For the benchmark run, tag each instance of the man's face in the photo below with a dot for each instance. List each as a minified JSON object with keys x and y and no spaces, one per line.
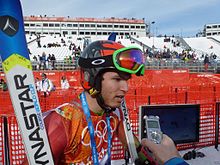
{"x":114,"y":88}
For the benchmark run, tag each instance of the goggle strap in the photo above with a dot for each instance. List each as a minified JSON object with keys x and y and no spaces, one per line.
{"x":104,"y":61}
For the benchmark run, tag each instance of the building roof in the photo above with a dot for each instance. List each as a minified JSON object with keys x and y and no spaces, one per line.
{"x":82,"y":19}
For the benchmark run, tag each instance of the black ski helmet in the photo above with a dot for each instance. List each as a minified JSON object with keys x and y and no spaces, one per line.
{"x":96,"y":58}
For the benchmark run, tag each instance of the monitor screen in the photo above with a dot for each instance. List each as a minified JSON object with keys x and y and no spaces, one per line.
{"x":180,"y":122}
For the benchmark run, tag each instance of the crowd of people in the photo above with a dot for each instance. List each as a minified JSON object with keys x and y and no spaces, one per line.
{"x":48,"y":61}
{"x":44,"y":62}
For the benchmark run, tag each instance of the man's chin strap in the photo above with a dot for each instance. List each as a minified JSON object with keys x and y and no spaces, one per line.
{"x":102,"y":104}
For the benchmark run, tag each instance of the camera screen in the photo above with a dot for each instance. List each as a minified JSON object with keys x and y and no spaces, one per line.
{"x":152,"y":124}
{"x":180,"y":122}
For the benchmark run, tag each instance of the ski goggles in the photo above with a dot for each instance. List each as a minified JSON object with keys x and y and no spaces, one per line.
{"x":130,"y":60}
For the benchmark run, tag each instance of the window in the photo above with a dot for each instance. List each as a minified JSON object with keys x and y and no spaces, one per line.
{"x":45,"y":24}
{"x":51,"y":25}
{"x":65,"y":32}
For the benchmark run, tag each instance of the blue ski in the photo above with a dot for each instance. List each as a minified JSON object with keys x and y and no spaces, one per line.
{"x":20,"y":80}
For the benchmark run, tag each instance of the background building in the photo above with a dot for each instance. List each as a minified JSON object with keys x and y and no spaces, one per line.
{"x":211,"y":29}
{"x":85,"y":26}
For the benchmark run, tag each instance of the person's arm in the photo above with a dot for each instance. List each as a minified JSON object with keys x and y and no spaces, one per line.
{"x":165,"y":152}
{"x":56,"y":136}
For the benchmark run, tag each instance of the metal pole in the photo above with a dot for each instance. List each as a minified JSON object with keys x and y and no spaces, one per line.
{"x":6,"y":141}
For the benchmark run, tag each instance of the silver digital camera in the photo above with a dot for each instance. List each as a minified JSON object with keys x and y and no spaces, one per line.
{"x":153,"y":130}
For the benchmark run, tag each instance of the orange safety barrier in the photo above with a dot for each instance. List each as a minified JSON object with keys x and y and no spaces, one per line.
{"x":17,"y":151}
{"x":156,"y":87}
{"x":207,"y":128}
{"x":5,"y":103}
{"x":1,"y":141}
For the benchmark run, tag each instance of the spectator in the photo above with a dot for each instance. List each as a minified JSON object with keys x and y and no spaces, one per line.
{"x":46,"y":85}
{"x":44,"y":60}
{"x":38,"y":41}
{"x":35,"y":63}
{"x":3,"y":85}
{"x":49,"y":64}
{"x":64,"y":83}
{"x":40,"y":61}
{"x":53,"y":60}
{"x":206,"y":63}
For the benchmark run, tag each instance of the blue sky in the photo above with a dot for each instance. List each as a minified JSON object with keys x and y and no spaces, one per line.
{"x":178,"y":17}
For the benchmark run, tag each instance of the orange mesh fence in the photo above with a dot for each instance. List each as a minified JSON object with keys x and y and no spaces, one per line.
{"x":17,"y":151}
{"x":161,"y":78}
{"x":117,"y":149}
{"x":207,"y":128}
{"x":55,"y":76}
{"x":5,"y":103}
{"x":217,"y":125}
{"x":57,"y":98}
{"x":156,"y":87}
{"x":1,"y":141}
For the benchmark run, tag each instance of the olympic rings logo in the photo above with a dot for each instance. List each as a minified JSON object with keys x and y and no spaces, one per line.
{"x":100,"y":134}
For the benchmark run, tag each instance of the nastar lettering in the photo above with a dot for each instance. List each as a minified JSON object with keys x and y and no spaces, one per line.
{"x":28,"y":104}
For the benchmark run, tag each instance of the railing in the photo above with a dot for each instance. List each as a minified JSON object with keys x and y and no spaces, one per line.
{"x":193,"y":66}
